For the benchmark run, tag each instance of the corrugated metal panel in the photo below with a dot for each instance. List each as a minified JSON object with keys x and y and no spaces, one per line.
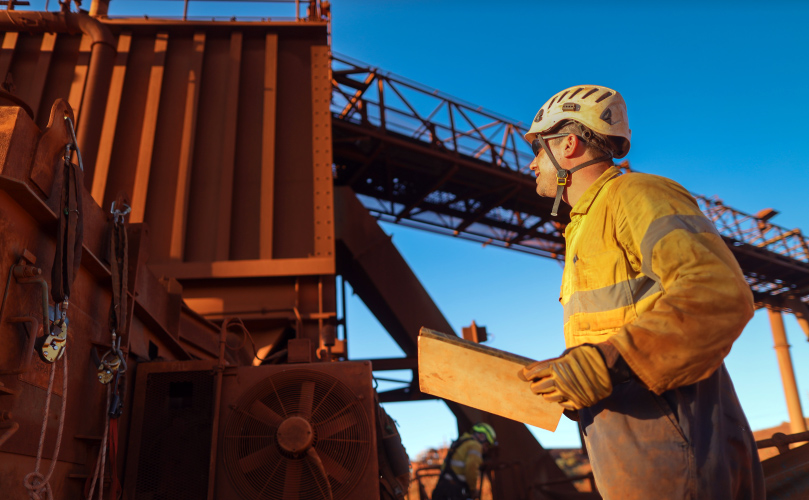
{"x":208,"y":130}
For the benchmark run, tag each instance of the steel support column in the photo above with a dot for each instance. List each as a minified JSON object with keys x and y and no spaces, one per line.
{"x":796,"y":421}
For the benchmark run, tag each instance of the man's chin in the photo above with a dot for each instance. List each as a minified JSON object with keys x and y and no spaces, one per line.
{"x":543,"y":192}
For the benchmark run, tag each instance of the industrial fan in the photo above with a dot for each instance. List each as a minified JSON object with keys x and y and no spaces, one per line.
{"x":286,"y":432}
{"x":298,"y":434}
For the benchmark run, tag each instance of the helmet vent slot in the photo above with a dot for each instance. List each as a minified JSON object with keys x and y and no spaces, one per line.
{"x":603,"y":96}
{"x":576,"y":92}
{"x":551,"y":103}
{"x":538,"y":117}
{"x":562,"y":96}
{"x":588,"y":94}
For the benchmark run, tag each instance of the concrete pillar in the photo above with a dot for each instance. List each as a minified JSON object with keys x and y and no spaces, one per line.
{"x":796,"y":421}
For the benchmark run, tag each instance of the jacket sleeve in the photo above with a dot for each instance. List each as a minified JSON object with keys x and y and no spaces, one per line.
{"x":705,"y":301}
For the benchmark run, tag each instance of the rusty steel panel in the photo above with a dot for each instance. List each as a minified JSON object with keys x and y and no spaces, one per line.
{"x":321,"y":152}
{"x":79,"y":76}
{"x":60,"y":75}
{"x":255,"y":123}
{"x":179,"y":77}
{"x":194,"y":107}
{"x":205,"y":196}
{"x":9,"y":44}
{"x":175,"y":234}
{"x":218,"y":135}
{"x":148,"y":129}
{"x":34,"y":94}
{"x":294,"y":184}
{"x":268,"y":146}
{"x":110,"y":118}
{"x":786,"y":474}
{"x":226,"y":165}
{"x":155,"y":328}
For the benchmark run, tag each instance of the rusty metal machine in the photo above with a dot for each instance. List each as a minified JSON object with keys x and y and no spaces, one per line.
{"x":177,"y":200}
{"x":184,"y":170}
{"x":158,"y":179}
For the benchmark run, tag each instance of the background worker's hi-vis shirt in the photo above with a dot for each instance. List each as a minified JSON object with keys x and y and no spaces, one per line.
{"x":466,"y":461}
{"x":646,"y":270}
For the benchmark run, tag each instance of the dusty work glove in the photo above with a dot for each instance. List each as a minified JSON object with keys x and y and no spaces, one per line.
{"x":576,"y":380}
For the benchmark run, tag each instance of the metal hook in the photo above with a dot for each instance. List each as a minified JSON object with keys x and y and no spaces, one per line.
{"x":75,"y":143}
{"x":118,"y":215}
{"x":116,"y":349}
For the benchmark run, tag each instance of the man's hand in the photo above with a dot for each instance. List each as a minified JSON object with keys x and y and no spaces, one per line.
{"x":576,"y":380}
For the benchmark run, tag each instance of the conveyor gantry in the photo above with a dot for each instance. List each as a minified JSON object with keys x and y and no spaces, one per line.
{"x":418,"y":157}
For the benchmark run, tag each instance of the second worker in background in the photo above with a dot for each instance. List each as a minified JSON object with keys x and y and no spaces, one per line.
{"x":461,"y":468}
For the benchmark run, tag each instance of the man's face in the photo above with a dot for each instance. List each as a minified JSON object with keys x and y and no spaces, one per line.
{"x":545,"y":171}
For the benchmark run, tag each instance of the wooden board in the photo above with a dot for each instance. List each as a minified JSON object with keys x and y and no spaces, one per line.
{"x":481,"y":377}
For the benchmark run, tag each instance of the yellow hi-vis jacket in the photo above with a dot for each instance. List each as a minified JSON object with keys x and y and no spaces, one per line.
{"x":466,"y":460}
{"x":646,"y":270}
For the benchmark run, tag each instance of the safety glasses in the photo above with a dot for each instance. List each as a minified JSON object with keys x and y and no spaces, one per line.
{"x":536,"y":146}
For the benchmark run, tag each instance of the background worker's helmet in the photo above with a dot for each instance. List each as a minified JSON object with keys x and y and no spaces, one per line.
{"x":487,"y":430}
{"x":601,"y":109}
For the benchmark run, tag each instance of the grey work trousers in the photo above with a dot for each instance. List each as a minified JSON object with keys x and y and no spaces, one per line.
{"x":690,"y":443}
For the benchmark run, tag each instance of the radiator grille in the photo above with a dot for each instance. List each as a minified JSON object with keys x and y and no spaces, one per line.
{"x":175,"y":445}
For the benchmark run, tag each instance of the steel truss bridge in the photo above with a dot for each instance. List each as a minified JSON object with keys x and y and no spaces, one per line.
{"x":421,"y":158}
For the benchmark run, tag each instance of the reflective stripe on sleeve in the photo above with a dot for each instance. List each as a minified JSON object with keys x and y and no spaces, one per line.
{"x":458,"y":463}
{"x":661,"y":227}
{"x":610,"y":297}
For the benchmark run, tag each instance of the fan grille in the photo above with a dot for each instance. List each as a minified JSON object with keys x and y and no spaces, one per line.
{"x":260,"y":469}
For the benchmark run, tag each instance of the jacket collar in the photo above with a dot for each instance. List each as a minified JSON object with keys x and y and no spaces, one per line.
{"x":590,"y":194}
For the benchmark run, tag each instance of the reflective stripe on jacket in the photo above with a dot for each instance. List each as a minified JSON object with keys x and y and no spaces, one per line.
{"x":647,"y":270}
{"x":465,"y":462}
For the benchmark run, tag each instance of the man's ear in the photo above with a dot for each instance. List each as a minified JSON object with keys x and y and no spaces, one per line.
{"x":571,"y":145}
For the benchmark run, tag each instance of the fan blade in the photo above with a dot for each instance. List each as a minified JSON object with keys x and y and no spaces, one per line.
{"x":313,"y":457}
{"x":265,"y":414}
{"x":256,"y":459}
{"x":307,"y":398}
{"x":335,"y":470}
{"x":292,"y":482}
{"x":332,"y":427}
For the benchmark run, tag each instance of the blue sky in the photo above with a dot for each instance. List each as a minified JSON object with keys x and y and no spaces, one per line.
{"x":718,"y":100}
{"x":715,"y":95}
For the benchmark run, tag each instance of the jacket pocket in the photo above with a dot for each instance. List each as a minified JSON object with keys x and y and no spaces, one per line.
{"x":602,"y":302}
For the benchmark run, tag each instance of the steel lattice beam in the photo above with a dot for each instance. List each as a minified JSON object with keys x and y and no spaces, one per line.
{"x":421,"y":158}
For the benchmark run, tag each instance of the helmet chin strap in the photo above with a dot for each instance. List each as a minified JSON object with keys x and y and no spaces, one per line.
{"x":563,"y":175}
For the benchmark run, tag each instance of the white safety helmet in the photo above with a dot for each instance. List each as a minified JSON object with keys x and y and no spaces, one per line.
{"x":601,"y":109}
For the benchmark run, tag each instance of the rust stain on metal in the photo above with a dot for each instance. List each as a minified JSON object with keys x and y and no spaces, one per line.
{"x":39,"y":373}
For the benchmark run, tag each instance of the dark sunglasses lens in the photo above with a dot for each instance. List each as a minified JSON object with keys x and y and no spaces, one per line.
{"x":536,"y":147}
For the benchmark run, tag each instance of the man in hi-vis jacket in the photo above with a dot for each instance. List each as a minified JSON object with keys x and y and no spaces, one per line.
{"x":653,"y":300}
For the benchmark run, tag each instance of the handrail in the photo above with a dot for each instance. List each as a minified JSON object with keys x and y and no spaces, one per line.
{"x":386,"y":104}
{"x":366,"y":95}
